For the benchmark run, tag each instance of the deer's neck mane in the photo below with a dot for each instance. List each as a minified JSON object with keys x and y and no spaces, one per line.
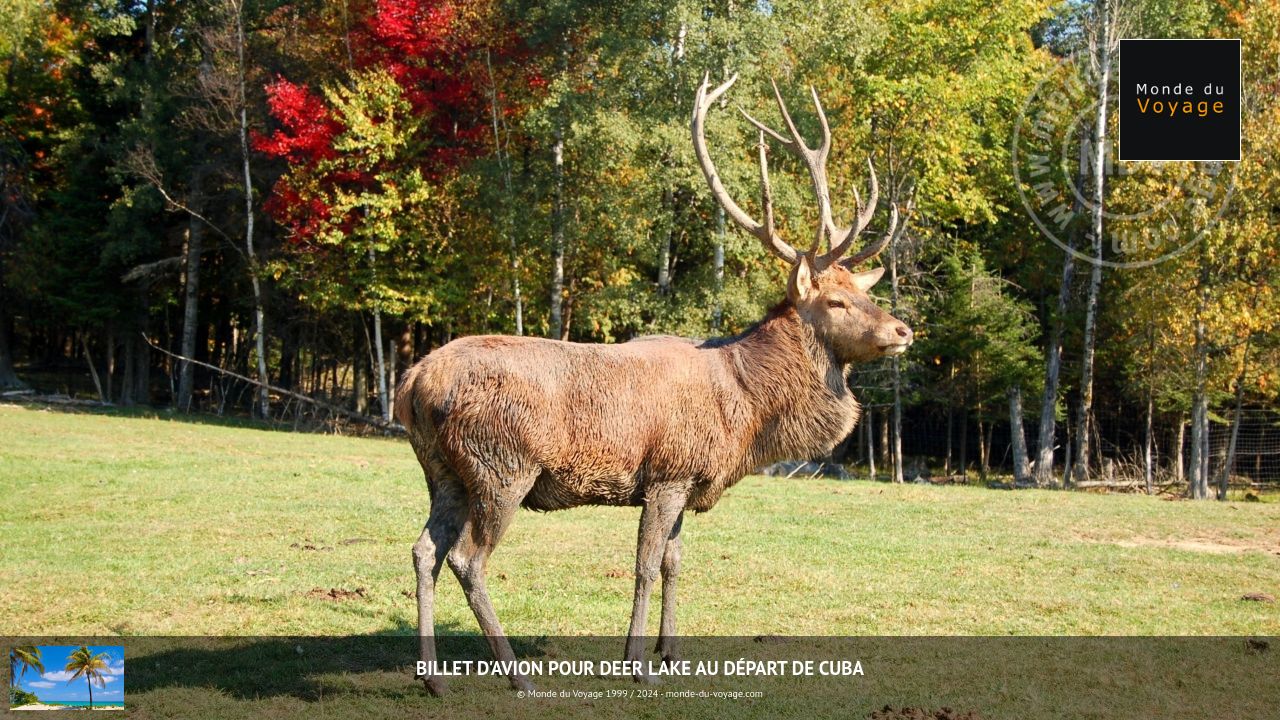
{"x":796,"y":394}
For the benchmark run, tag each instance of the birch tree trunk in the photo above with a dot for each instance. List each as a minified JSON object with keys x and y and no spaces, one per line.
{"x":897,"y":366}
{"x":1042,"y":473}
{"x":664,"y":247}
{"x":1198,"y":469}
{"x":668,"y":194}
{"x":504,"y":165}
{"x":259,"y":320}
{"x":556,"y":324}
{"x":871,"y":444}
{"x":1199,"y":487}
{"x":1099,"y":152}
{"x":717,"y":271}
{"x":384,"y":402}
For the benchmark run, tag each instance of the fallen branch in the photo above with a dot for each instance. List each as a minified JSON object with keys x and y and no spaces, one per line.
{"x":367,"y":419}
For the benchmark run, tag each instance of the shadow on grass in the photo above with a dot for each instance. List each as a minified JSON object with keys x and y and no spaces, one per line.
{"x":304,"y":668}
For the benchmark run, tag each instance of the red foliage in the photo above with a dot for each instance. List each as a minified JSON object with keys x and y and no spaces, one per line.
{"x":430,"y":48}
{"x":307,"y":127}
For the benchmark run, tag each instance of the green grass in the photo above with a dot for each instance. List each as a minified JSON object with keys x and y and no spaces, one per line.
{"x":125,"y":525}
{"x":132,"y":525}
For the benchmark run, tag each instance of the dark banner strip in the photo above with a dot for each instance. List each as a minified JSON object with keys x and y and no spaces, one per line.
{"x":885,"y":678}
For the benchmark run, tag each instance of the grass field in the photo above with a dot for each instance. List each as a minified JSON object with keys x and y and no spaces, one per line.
{"x":129,"y":525}
{"x":132,"y":525}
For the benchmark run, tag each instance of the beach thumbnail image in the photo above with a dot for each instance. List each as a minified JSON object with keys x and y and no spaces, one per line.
{"x":66,"y":677}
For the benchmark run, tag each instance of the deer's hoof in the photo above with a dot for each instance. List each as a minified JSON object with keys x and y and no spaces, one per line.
{"x":521,"y":683}
{"x":647,"y":679}
{"x":435,"y":685}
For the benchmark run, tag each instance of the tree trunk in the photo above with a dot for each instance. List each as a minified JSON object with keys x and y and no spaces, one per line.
{"x":1043,"y":472}
{"x":1099,"y":149}
{"x":126,"y":377}
{"x":871,"y":445}
{"x":359,"y":390}
{"x":1052,"y":367}
{"x":391,"y":380}
{"x":717,"y":271}
{"x":897,"y":421}
{"x":191,"y":294}
{"x":111,"y":364}
{"x":1066,"y":461}
{"x":264,"y":398}
{"x":946,"y":463}
{"x":384,"y":398}
{"x":667,"y":233}
{"x":983,"y":451}
{"x":140,"y":393}
{"x":1148,"y":450}
{"x":504,"y":163}
{"x":1199,"y":483}
{"x":897,"y":365}
{"x":8,"y":375}
{"x":1179,"y":461}
{"x":886,"y":458}
{"x":1228,"y":462}
{"x":1198,"y":489}
{"x":557,"y":238}
{"x":93,"y":371}
{"x":1021,"y":473}
{"x":964,"y":445}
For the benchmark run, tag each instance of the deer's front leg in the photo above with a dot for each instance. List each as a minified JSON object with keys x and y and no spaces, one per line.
{"x":670,"y":572}
{"x":661,"y":513}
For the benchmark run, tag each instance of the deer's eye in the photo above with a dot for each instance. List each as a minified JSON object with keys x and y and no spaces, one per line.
{"x":836,"y":304}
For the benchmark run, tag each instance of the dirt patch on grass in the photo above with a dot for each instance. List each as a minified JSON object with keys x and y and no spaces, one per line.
{"x":1217,"y":546}
{"x":338,"y":594}
{"x":888,"y":712}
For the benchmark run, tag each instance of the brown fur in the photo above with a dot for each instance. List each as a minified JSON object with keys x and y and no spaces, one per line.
{"x":664,"y":423}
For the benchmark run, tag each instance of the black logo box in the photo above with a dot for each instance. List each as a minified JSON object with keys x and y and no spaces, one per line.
{"x":1186,"y":69}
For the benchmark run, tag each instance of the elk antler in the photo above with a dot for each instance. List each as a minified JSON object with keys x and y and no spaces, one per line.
{"x":873,"y":249}
{"x":763,"y":232}
{"x":816,"y":162}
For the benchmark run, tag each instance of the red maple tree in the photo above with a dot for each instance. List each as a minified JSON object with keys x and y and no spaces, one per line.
{"x":433,"y":50}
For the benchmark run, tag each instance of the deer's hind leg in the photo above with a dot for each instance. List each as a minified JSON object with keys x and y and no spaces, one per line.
{"x":492,"y":503}
{"x":444,"y":523}
{"x":663,"y":510}
{"x":666,"y":646}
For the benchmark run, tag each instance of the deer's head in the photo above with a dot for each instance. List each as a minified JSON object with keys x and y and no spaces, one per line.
{"x":824,"y":290}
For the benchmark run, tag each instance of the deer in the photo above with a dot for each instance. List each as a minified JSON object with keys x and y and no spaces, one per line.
{"x":667,"y":424}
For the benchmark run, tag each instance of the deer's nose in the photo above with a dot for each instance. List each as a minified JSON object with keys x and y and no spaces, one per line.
{"x":903,"y":332}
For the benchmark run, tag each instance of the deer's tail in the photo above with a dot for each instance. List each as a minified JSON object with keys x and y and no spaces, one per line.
{"x":408,"y":395}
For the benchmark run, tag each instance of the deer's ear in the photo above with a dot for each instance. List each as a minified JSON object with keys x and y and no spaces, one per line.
{"x":801,"y":284}
{"x":864,"y":281}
